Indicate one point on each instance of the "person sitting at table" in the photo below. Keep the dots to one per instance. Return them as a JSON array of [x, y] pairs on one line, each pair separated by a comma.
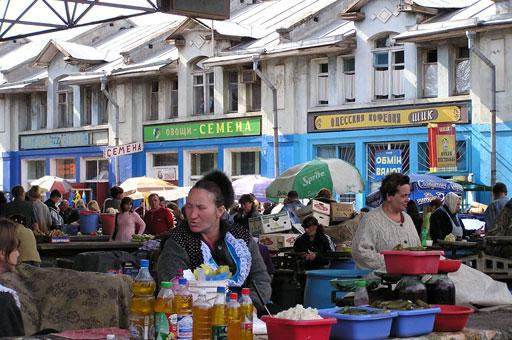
[[93, 206], [312, 244], [207, 238], [53, 205], [11, 323], [444, 220], [387, 226], [159, 220], [69, 215], [127, 222]]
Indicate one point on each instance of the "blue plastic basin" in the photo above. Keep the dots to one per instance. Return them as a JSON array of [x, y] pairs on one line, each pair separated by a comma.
[[317, 292], [88, 222], [414, 322], [359, 327]]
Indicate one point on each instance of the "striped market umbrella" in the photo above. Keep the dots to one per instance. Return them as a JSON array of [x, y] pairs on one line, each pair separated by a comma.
[[310, 177], [50, 183]]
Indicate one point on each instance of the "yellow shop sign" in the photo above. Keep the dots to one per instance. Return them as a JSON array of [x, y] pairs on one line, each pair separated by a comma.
[[387, 118]]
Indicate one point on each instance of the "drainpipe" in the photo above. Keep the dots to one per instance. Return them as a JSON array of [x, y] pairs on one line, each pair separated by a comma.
[[478, 52], [112, 101], [255, 61]]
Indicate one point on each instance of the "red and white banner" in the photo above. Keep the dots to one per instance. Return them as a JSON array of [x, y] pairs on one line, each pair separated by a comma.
[[442, 147]]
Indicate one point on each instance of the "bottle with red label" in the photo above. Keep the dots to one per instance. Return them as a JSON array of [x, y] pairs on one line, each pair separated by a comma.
[[246, 311], [165, 314]]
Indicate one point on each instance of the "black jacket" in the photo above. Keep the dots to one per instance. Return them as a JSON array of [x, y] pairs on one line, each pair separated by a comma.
[[441, 226], [319, 245], [11, 323]]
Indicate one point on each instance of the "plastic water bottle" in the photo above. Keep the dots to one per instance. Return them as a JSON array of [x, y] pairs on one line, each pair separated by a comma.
[[176, 280], [246, 311], [202, 319], [183, 302], [165, 315], [233, 317], [361, 296], [141, 323], [219, 322]]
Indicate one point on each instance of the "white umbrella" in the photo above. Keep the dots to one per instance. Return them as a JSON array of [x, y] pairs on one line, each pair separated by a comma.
[[254, 184], [145, 184], [50, 183], [170, 195]]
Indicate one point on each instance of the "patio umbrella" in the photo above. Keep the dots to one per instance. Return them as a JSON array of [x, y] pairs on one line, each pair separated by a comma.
[[50, 183], [254, 184], [170, 195], [424, 189], [145, 184], [310, 177]]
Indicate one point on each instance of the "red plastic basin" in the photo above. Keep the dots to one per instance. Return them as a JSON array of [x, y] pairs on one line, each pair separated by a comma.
[[280, 329], [451, 318], [410, 262], [448, 266]]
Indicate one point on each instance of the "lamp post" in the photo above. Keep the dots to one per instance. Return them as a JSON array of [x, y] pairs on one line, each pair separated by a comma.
[[478, 52]]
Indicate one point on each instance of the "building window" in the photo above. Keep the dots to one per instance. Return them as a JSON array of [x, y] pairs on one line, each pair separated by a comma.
[[96, 170], [462, 70], [388, 65], [65, 106], [232, 80], [349, 77], [202, 163], [102, 108], [203, 90], [254, 91], [245, 163], [65, 168], [86, 117], [462, 157], [35, 169], [165, 166], [174, 98], [153, 100], [323, 84], [430, 73], [25, 113]]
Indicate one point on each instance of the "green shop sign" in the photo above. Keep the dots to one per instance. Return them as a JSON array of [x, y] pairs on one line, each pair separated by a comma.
[[237, 127]]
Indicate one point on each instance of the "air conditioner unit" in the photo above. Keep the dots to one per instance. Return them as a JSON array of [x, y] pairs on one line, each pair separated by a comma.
[[167, 173], [248, 76]]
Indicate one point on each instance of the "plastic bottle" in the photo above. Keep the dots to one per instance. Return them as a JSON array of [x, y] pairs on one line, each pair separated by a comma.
[[201, 313], [425, 227], [141, 324], [361, 295], [165, 315], [176, 280], [246, 311], [219, 322], [234, 317], [183, 302]]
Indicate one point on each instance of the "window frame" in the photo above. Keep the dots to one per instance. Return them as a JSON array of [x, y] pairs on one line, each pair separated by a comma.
[[193, 177], [346, 74], [83, 165], [174, 98], [425, 64], [457, 59], [232, 80], [154, 97], [229, 164], [63, 118], [208, 86], [390, 66], [53, 168]]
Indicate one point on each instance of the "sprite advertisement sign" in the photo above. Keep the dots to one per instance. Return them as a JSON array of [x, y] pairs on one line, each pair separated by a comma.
[[236, 127]]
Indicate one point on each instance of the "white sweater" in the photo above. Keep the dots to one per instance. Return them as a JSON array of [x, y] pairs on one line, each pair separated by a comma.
[[377, 232]]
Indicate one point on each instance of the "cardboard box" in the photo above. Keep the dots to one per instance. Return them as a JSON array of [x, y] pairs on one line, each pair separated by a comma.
[[321, 211], [278, 241], [266, 224], [342, 211], [322, 219], [321, 207]]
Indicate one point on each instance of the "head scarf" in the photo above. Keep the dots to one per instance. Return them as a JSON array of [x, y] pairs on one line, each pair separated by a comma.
[[451, 200]]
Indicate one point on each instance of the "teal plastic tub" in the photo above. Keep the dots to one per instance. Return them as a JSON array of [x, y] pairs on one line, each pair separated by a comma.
[[317, 293]]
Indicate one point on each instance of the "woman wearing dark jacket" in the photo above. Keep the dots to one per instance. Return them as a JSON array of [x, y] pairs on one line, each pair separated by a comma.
[[444, 220], [313, 243], [247, 210]]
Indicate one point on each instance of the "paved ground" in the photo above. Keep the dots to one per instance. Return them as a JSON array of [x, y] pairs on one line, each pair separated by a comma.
[[498, 320]]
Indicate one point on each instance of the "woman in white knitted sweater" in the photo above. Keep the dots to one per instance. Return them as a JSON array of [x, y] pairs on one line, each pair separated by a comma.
[[387, 226]]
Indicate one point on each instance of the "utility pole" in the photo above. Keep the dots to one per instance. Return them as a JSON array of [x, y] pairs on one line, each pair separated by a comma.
[[104, 82], [479, 54]]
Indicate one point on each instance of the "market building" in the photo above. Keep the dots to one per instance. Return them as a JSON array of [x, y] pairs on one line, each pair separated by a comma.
[[357, 80]]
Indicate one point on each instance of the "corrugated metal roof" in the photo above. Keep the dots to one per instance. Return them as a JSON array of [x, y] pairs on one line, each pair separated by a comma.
[[446, 4], [481, 12], [24, 82]]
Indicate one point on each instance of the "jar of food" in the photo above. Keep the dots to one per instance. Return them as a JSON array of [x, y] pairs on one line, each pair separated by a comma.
[[440, 290], [411, 288]]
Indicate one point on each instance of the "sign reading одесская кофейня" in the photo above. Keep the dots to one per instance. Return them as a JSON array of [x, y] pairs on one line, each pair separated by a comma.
[[236, 127]]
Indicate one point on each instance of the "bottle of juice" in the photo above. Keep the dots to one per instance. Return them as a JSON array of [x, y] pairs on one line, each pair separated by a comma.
[[233, 317], [141, 323], [201, 311], [165, 316], [219, 322], [183, 302], [246, 311], [176, 280]]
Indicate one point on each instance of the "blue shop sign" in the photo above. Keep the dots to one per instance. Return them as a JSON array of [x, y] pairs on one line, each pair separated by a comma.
[[386, 162], [64, 140]]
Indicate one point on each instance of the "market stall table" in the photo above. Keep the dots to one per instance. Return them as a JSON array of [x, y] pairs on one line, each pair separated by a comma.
[[451, 248]]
